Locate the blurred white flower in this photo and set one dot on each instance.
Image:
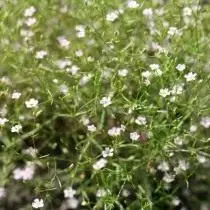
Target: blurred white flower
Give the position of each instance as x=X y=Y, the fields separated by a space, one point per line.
x=69 y=192
x=181 y=67
x=41 y=54
x=101 y=193
x=73 y=69
x=37 y=203
x=79 y=53
x=31 y=103
x=134 y=136
x=205 y=122
x=163 y=166
x=178 y=141
x=72 y=203
x=16 y=128
x=173 y=31
x=62 y=64
x=15 y=95
x=2 y=192
x=122 y=72
x=190 y=76
x=175 y=201
x=101 y=163
x=107 y=152
x=31 y=151
x=85 y=79
x=187 y=11
x=63 y=42
x=132 y=4
x=141 y=120
x=3 y=121
x=193 y=128
x=168 y=178
x=85 y=121
x=114 y=131
x=112 y=16
x=25 y=173
x=80 y=31
x=91 y=128
x=164 y=92
x=146 y=74
x=29 y=11
x=30 y=21
x=201 y=159
x=148 y=12
x=105 y=101
x=154 y=66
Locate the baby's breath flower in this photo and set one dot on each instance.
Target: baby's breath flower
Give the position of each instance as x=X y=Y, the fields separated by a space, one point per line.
x=148 y=12
x=80 y=29
x=25 y=173
x=141 y=120
x=2 y=192
x=69 y=192
x=134 y=136
x=38 y=203
x=91 y=128
x=187 y=11
x=79 y=53
x=41 y=54
x=101 y=193
x=112 y=16
x=101 y=163
x=31 y=103
x=105 y=101
x=164 y=92
x=132 y=4
x=3 y=121
x=180 y=67
x=72 y=203
x=201 y=158
x=107 y=152
x=29 y=11
x=205 y=122
x=85 y=121
x=85 y=79
x=146 y=74
x=62 y=64
x=122 y=72
x=63 y=42
x=163 y=166
x=114 y=131
x=173 y=31
x=16 y=128
x=30 y=21
x=73 y=69
x=15 y=95
x=193 y=128
x=168 y=178
x=178 y=141
x=190 y=76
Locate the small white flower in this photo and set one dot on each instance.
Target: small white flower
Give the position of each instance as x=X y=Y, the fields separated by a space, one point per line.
x=80 y=29
x=31 y=103
x=183 y=165
x=63 y=88
x=25 y=173
x=193 y=128
x=62 y=64
x=101 y=163
x=30 y=21
x=73 y=69
x=178 y=141
x=16 y=128
x=134 y=136
x=41 y=54
x=31 y=151
x=164 y=92
x=37 y=203
x=105 y=101
x=123 y=72
x=132 y=4
x=2 y=192
x=15 y=95
x=91 y=128
x=148 y=12
x=205 y=122
x=79 y=53
x=201 y=158
x=29 y=11
x=114 y=131
x=154 y=66
x=63 y=42
x=112 y=16
x=175 y=201
x=72 y=203
x=190 y=76
x=146 y=74
x=177 y=89
x=3 y=121
x=173 y=31
x=181 y=67
x=163 y=166
x=85 y=79
x=85 y=121
x=69 y=192
x=187 y=11
x=168 y=178
x=101 y=193
x=141 y=120
x=107 y=152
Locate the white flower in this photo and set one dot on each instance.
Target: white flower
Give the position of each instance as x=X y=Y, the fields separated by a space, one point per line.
x=62 y=64
x=173 y=31
x=114 y=131
x=16 y=128
x=2 y=192
x=26 y=173
x=29 y=11
x=3 y=121
x=183 y=165
x=190 y=76
x=175 y=201
x=193 y=128
x=91 y=128
x=163 y=166
x=205 y=122
x=168 y=178
x=123 y=72
x=72 y=203
x=73 y=69
x=69 y=192
x=187 y=11
x=180 y=67
x=108 y=152
x=41 y=54
x=201 y=158
x=105 y=101
x=164 y=92
x=85 y=79
x=30 y=21
x=101 y=163
x=101 y=193
x=178 y=141
x=37 y=203
x=79 y=53
x=85 y=121
x=154 y=66
x=80 y=29
x=134 y=136
x=177 y=89
x=31 y=103
x=112 y=16
x=31 y=151
x=146 y=74
x=148 y=12
x=132 y=4
x=141 y=120
x=63 y=42
x=63 y=88
x=15 y=95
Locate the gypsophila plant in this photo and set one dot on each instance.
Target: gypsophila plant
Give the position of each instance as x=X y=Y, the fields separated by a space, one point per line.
x=104 y=104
